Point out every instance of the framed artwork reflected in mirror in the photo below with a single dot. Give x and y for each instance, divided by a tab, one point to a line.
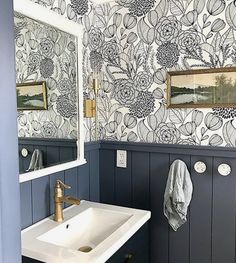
31	96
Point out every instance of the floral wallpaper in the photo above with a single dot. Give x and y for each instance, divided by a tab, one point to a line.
46	54
132	44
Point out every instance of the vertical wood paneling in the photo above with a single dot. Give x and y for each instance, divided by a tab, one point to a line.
200	212
179	240
52	155
40	198
224	208
83	179
54	151
94	176
207	237
26	204
66	154
159	168
123	184
107	176
140	180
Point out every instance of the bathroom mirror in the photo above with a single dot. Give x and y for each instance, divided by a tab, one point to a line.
48	61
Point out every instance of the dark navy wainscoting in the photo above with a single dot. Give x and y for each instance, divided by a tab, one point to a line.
37	195
209	235
54	151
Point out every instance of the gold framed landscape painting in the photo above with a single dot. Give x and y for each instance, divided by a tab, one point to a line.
31	96
202	88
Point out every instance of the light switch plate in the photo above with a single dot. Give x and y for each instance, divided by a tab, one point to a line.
121	158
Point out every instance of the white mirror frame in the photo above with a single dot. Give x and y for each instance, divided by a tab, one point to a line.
41	14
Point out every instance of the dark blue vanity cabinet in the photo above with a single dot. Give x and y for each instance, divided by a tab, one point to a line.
135	250
30	260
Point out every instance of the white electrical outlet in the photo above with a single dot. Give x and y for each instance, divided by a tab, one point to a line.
121	158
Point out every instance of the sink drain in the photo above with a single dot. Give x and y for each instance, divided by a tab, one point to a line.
85	249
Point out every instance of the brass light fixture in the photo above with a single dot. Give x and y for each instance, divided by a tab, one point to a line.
90	105
89	108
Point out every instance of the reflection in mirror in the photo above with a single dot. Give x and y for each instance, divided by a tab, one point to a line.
45	54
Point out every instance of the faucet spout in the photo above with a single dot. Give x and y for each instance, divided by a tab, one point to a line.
60	198
71	200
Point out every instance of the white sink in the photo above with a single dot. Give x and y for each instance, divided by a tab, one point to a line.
96	228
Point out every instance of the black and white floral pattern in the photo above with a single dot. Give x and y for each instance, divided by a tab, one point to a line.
134	44
46	54
140	7
167	54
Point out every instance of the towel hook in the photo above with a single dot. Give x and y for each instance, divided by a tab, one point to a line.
200	167
24	152
224	169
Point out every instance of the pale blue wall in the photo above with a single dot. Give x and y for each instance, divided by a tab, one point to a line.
9	178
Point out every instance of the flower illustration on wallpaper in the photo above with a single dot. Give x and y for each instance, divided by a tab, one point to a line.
143	80
167	54
144	105
124	92
167	133
139	7
188	129
213	122
226	113
46	67
64	85
129	21
130	121
65	107
49	130
96	38
46	47
167	29
215	140
229	133
136	56
188	41
218	25
110	51
80	7
190	18
52	59
33	62
110	31
230	14
215	7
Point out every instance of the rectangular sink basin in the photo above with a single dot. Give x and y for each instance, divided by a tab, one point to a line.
88	229
91	232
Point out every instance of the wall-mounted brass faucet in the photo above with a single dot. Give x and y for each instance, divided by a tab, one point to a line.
59	198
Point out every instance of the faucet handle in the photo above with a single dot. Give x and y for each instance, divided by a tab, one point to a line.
60	184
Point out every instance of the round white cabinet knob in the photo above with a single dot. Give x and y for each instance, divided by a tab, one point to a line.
200	167
224	169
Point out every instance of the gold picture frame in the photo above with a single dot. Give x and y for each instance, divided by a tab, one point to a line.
202	88
32	96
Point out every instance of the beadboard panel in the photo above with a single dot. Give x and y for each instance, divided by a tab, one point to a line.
209	234
37	195
54	151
